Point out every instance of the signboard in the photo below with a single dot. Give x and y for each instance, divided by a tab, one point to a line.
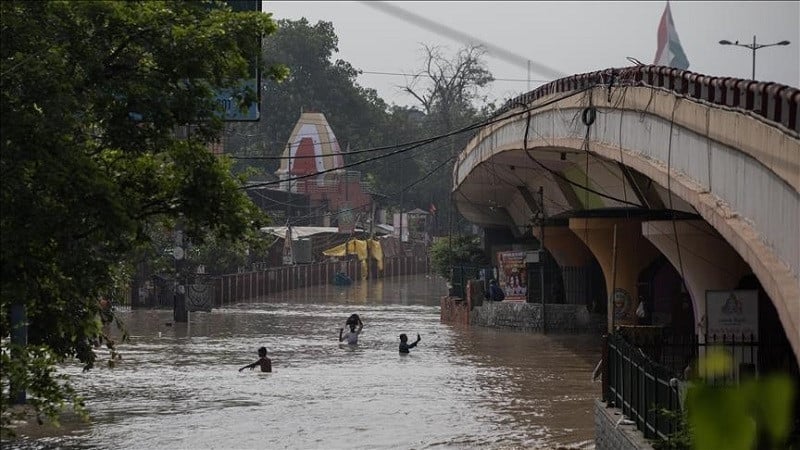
199	297
532	257
226	98
229	103
512	275
732	313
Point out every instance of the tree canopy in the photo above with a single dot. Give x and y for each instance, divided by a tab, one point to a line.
316	82
94	96
448	89
456	250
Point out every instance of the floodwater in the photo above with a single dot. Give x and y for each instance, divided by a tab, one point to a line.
178	385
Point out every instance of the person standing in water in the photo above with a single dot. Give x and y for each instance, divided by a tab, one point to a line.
404	345
263	361
355	325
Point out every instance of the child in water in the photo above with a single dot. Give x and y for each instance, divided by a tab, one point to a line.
355	325
263	361
404	345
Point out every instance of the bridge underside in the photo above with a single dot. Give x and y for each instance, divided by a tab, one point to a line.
648	177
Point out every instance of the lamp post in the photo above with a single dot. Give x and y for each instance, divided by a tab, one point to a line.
754	46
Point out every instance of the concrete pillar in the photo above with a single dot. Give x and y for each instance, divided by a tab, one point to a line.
633	254
568	251
706	262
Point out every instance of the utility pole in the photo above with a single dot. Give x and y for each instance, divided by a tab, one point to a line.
529	75
401	207
371	239
610	306
179	313
541	256
19	340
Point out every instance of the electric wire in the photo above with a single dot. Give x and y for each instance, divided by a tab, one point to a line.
669	191
403	189
477	125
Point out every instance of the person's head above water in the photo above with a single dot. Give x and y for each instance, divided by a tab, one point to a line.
262	352
353	321
403	338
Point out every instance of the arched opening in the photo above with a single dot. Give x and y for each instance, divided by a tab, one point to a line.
666	301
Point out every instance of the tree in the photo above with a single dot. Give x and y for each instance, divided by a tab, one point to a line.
456	250
449	91
317	83
92	95
450	88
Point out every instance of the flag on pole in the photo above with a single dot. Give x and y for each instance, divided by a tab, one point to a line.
669	52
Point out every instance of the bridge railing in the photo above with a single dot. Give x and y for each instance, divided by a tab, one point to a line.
775	102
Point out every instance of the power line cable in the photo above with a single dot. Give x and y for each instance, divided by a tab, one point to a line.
403	189
430	76
444	30
482	123
494	119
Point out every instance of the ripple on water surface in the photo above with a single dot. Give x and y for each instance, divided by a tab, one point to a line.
178	386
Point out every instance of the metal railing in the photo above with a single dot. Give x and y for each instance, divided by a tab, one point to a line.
641	388
643	371
462	273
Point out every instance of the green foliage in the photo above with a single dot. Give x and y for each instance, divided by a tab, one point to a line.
448	91
221	256
680	439
92	96
734	417
32	367
757	411
456	250
316	82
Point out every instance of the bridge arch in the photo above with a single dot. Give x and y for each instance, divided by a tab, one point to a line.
725	150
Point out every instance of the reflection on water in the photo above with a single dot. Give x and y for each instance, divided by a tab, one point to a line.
179	386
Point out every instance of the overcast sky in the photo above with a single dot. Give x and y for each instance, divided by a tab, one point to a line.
569	37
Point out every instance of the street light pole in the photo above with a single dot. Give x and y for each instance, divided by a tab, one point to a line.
753	47
754	58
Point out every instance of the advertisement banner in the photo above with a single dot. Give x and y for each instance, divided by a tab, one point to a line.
512	275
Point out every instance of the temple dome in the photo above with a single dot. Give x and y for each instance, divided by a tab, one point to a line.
312	147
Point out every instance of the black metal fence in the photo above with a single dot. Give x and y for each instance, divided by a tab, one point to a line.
750	354
641	388
645	369
463	273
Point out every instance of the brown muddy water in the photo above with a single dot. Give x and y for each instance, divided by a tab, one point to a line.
178	386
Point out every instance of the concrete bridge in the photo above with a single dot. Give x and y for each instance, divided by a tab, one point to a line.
650	162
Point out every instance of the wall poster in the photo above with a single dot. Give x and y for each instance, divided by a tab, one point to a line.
512	275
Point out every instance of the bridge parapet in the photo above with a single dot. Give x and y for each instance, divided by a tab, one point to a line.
774	102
